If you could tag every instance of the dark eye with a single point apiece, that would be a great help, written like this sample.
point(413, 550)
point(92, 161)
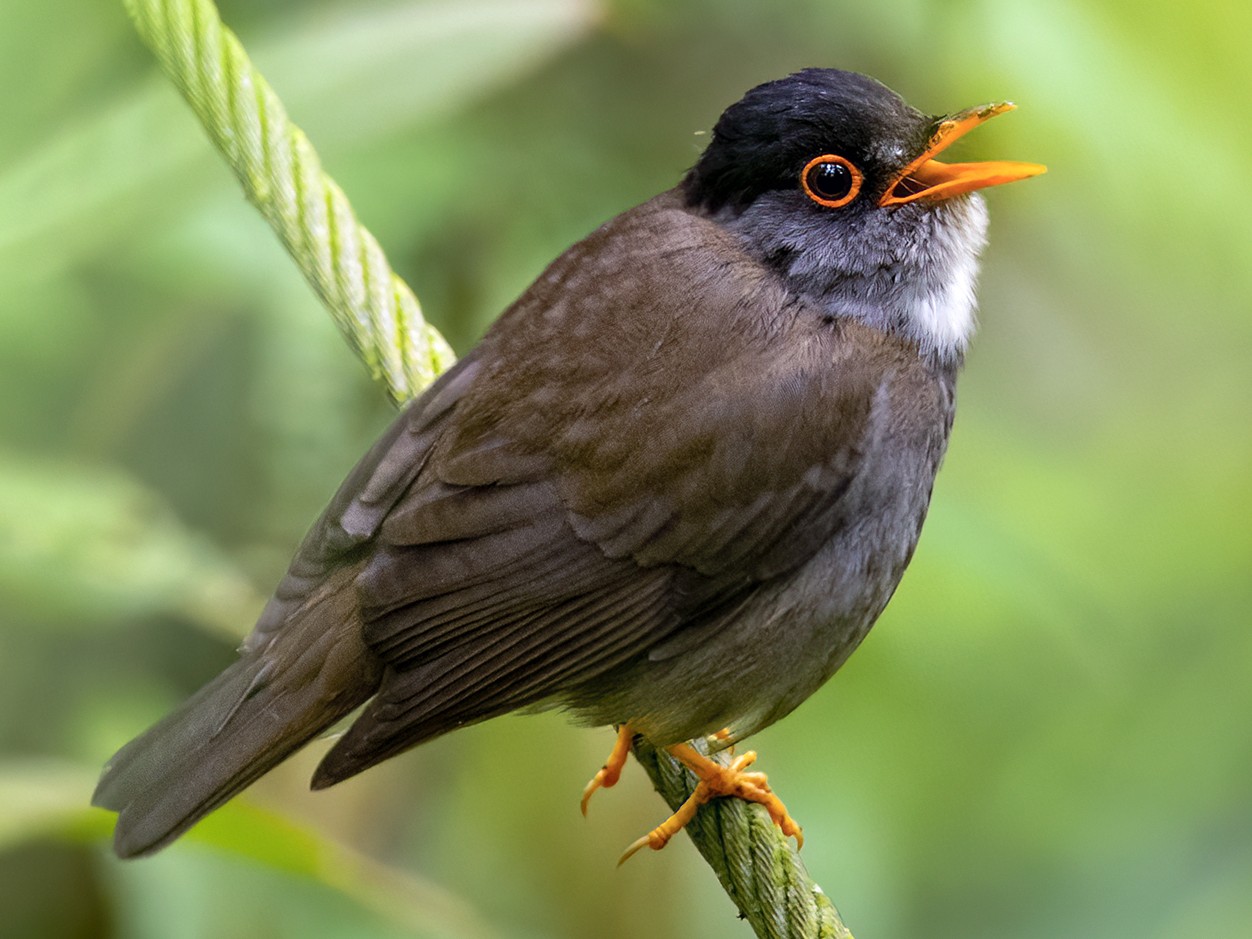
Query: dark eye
point(830, 180)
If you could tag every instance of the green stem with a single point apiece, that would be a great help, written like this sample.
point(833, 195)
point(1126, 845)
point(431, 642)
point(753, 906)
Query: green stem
point(283, 177)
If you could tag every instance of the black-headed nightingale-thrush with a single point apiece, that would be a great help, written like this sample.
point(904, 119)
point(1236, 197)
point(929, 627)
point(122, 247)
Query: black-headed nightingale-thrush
point(669, 490)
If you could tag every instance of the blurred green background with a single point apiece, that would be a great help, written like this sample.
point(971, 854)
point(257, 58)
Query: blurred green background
point(1046, 735)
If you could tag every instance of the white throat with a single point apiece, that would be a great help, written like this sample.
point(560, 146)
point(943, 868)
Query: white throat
point(941, 312)
point(910, 270)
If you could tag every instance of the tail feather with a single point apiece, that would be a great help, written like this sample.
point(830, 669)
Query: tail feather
point(254, 715)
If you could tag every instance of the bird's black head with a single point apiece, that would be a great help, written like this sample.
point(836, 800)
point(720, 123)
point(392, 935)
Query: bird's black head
point(764, 141)
point(829, 178)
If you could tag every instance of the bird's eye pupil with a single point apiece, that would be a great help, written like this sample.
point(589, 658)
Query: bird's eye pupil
point(830, 180)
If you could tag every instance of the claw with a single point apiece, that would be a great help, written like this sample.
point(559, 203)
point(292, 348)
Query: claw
point(611, 771)
point(659, 836)
point(716, 781)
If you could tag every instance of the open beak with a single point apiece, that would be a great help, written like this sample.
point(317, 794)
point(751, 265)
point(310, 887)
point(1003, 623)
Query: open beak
point(928, 178)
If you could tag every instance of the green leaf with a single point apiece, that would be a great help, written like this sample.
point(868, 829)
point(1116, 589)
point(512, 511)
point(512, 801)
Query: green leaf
point(84, 545)
point(46, 797)
point(51, 799)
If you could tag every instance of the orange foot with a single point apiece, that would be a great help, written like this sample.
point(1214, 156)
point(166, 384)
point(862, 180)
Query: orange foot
point(611, 771)
point(715, 780)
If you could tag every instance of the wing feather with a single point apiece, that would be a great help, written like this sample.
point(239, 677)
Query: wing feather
point(662, 433)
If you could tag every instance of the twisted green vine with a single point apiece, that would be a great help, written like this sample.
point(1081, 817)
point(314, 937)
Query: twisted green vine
point(380, 317)
point(759, 868)
point(283, 177)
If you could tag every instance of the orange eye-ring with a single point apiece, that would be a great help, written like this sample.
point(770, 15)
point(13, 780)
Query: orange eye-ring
point(830, 180)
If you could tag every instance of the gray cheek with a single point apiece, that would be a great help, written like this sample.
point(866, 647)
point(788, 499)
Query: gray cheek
point(910, 269)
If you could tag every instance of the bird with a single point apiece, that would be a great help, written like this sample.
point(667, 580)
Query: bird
point(668, 491)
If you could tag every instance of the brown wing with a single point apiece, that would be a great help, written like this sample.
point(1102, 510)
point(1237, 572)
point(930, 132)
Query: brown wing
point(653, 430)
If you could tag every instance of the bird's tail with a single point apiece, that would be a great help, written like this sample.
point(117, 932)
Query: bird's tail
point(276, 698)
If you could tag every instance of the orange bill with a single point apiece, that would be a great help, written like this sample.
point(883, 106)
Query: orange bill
point(928, 178)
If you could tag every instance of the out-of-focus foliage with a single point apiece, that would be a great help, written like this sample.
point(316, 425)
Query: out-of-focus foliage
point(1048, 732)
